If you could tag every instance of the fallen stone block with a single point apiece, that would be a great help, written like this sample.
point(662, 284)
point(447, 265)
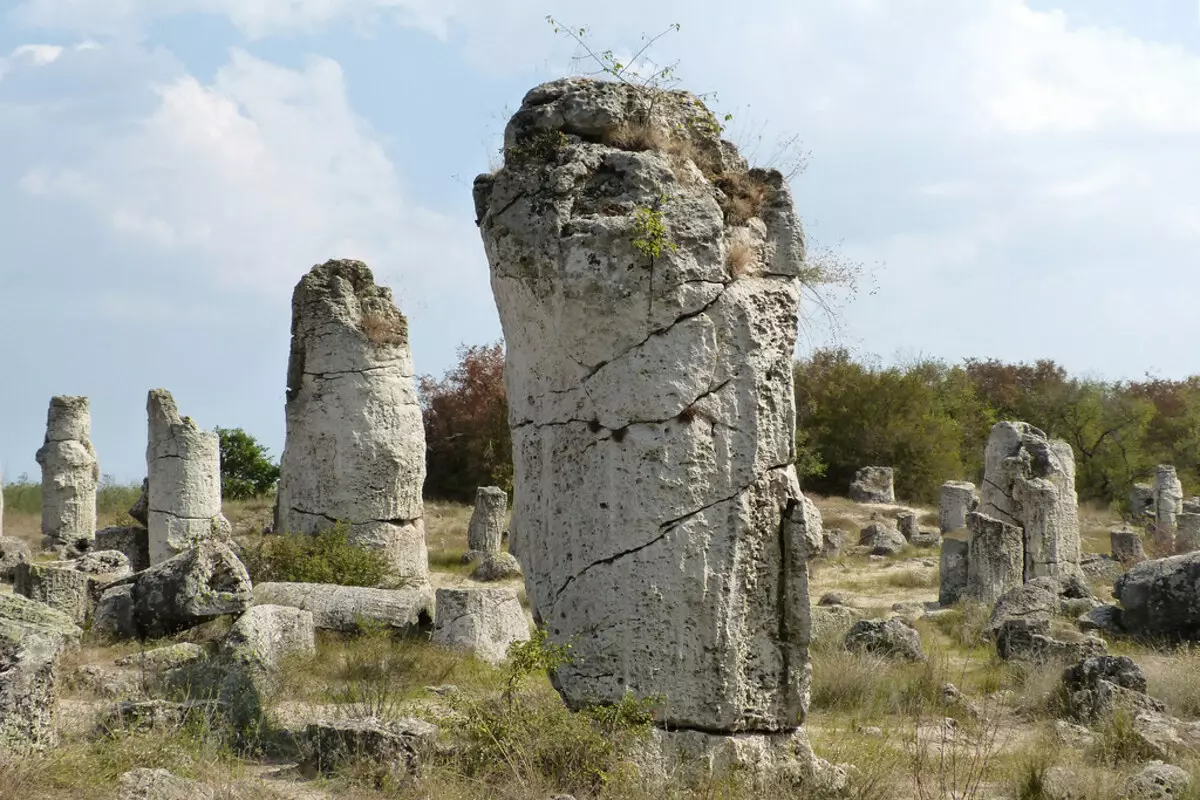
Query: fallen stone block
point(873, 485)
point(133, 541)
point(400, 747)
point(345, 608)
point(496, 567)
point(263, 636)
point(482, 621)
point(893, 638)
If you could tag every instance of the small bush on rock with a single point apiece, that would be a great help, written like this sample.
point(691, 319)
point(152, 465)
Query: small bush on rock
point(328, 557)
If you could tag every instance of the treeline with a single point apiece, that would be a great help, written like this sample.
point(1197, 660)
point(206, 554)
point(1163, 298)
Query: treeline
point(927, 419)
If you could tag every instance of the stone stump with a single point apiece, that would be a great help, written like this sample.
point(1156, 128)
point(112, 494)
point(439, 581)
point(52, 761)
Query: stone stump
point(953, 571)
point(484, 622)
point(70, 475)
point(1168, 505)
point(873, 485)
point(1187, 535)
point(1126, 545)
point(355, 445)
point(487, 520)
point(183, 465)
point(1141, 501)
point(958, 499)
point(995, 558)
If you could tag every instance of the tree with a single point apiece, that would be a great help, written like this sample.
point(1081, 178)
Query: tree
point(246, 469)
point(468, 443)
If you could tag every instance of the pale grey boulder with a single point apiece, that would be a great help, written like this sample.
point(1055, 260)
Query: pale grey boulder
point(344, 608)
point(1168, 505)
point(958, 498)
point(159, 784)
point(399, 747)
point(952, 571)
point(483, 622)
point(1094, 687)
point(873, 485)
point(1157, 781)
point(131, 540)
point(184, 484)
point(13, 551)
point(1035, 639)
point(34, 638)
point(70, 474)
point(656, 506)
point(1126, 545)
point(487, 520)
point(351, 391)
point(995, 558)
point(1187, 532)
point(893, 638)
point(1161, 598)
point(164, 658)
point(833, 542)
point(908, 525)
point(58, 585)
point(881, 539)
point(113, 616)
point(265, 635)
point(496, 567)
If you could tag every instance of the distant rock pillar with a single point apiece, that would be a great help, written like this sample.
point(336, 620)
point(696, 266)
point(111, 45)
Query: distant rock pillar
point(70, 474)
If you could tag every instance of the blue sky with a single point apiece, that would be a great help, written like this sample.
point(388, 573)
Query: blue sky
point(1018, 177)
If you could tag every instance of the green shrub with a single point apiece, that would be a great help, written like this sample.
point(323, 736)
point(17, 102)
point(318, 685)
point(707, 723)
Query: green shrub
point(246, 471)
point(327, 557)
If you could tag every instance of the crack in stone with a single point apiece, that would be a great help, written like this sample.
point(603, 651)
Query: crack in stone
point(607, 561)
point(1011, 499)
point(574, 420)
point(399, 521)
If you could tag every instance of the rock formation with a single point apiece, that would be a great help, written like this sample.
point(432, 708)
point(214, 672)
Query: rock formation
point(1168, 505)
point(958, 499)
point(344, 608)
point(355, 446)
point(184, 484)
point(70, 474)
point(1161, 598)
point(1126, 545)
point(483, 622)
point(873, 485)
point(953, 569)
point(1029, 482)
point(647, 284)
point(1187, 532)
point(995, 558)
point(1141, 502)
point(487, 521)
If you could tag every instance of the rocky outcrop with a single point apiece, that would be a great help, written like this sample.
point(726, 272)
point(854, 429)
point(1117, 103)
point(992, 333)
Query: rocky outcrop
point(648, 368)
point(159, 784)
point(1141, 502)
point(133, 541)
point(1157, 781)
point(1094, 687)
point(953, 571)
point(1168, 504)
point(399, 747)
point(184, 483)
point(70, 474)
point(1029, 482)
point(873, 485)
point(893, 638)
point(1126, 545)
point(487, 521)
point(995, 558)
point(345, 608)
point(1161, 598)
point(881, 539)
point(958, 498)
point(355, 445)
point(483, 622)
point(13, 552)
point(33, 640)
point(261, 638)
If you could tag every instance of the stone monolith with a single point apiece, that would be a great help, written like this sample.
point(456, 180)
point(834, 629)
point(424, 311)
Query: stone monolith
point(1029, 482)
point(1187, 534)
point(487, 520)
point(355, 446)
point(1168, 505)
point(183, 464)
point(1141, 501)
point(995, 558)
point(647, 284)
point(958, 499)
point(70, 474)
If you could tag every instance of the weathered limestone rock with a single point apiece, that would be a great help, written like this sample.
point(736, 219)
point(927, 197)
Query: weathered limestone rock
point(481, 621)
point(1191, 505)
point(1187, 535)
point(133, 541)
point(13, 551)
point(1141, 502)
point(995, 558)
point(657, 511)
point(873, 485)
point(163, 658)
point(1029, 482)
point(113, 617)
point(1102, 618)
point(263, 636)
point(184, 483)
point(33, 639)
point(906, 523)
point(140, 510)
point(1168, 504)
point(882, 539)
point(893, 638)
point(953, 571)
point(1161, 598)
point(958, 499)
point(1094, 686)
point(355, 446)
point(832, 623)
point(70, 474)
point(399, 746)
point(487, 521)
point(342, 608)
point(159, 784)
point(833, 542)
point(1126, 545)
point(1035, 640)
point(496, 567)
point(58, 585)
point(1157, 781)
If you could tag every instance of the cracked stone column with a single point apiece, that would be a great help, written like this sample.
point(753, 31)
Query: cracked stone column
point(355, 446)
point(995, 558)
point(958, 499)
point(1168, 505)
point(487, 520)
point(183, 465)
point(647, 284)
point(1029, 482)
point(70, 474)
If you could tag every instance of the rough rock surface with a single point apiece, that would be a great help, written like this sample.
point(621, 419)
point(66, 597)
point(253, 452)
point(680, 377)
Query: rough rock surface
point(1161, 598)
point(831, 623)
point(958, 498)
point(184, 489)
point(907, 524)
point(995, 558)
point(1141, 502)
point(1039, 598)
point(205, 581)
point(159, 784)
point(1191, 505)
point(833, 542)
point(58, 585)
point(1094, 686)
point(341, 608)
point(487, 520)
point(133, 541)
point(953, 570)
point(882, 539)
point(893, 638)
point(1157, 781)
point(113, 616)
point(1029, 482)
point(140, 510)
point(651, 403)
point(401, 745)
point(263, 636)
point(1126, 545)
point(1035, 639)
point(13, 551)
point(355, 445)
point(1187, 535)
point(1102, 618)
point(1168, 503)
point(33, 640)
point(873, 485)
point(165, 657)
point(70, 474)
point(481, 621)
point(496, 567)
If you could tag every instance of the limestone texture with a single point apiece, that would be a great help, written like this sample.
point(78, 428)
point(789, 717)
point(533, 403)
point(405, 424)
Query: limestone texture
point(33, 640)
point(184, 483)
point(657, 514)
point(958, 498)
point(399, 746)
point(1157, 781)
point(483, 622)
point(881, 539)
point(953, 571)
point(995, 558)
point(487, 520)
point(133, 541)
point(342, 608)
point(13, 551)
point(70, 474)
point(1187, 533)
point(263, 636)
point(1168, 503)
point(873, 485)
point(355, 445)
point(893, 638)
point(1029, 482)
point(906, 523)
point(1126, 545)
point(496, 567)
point(58, 585)
point(1161, 598)
point(1141, 501)
point(159, 784)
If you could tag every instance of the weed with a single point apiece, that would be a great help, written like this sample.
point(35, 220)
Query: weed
point(650, 231)
point(384, 327)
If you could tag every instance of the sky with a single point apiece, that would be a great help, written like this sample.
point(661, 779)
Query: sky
point(1017, 179)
